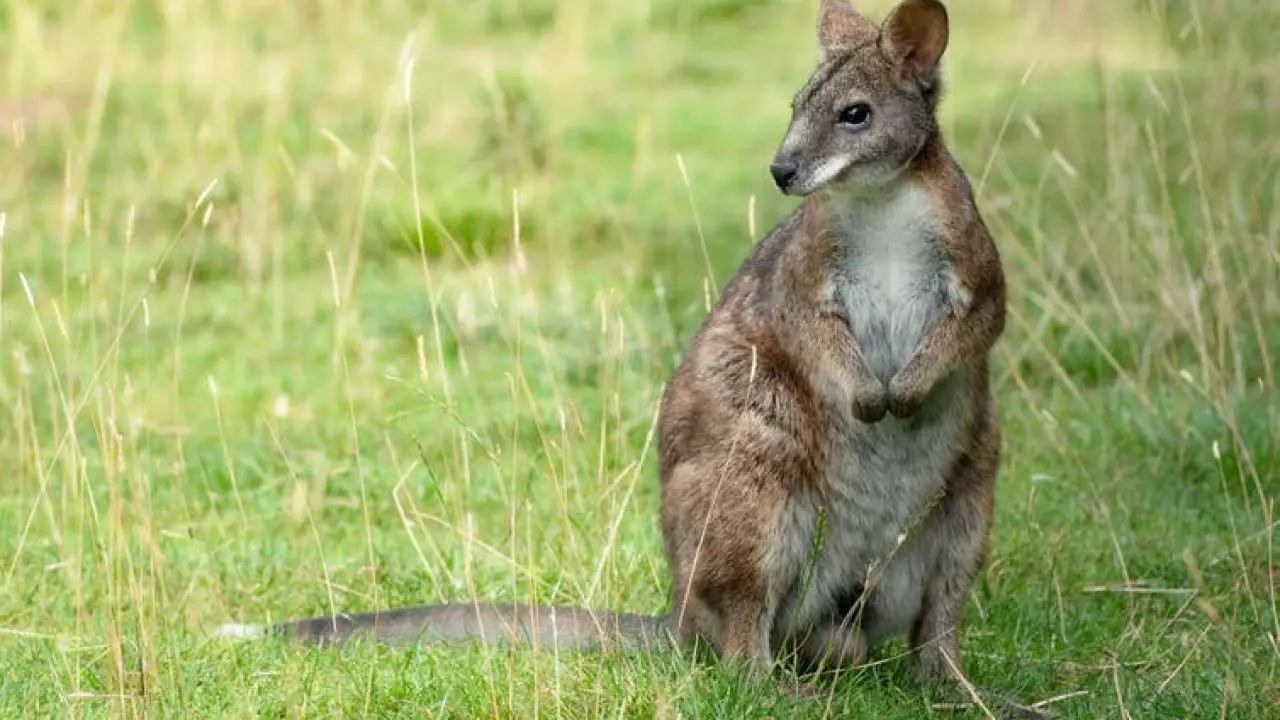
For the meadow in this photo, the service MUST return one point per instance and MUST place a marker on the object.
(323, 306)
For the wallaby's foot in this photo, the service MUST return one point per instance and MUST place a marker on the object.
(746, 643)
(937, 660)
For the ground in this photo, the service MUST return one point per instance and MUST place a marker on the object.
(319, 305)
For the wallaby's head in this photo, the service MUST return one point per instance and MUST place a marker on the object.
(870, 106)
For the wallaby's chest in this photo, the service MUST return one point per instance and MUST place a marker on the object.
(888, 278)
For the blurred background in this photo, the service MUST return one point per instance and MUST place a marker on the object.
(322, 306)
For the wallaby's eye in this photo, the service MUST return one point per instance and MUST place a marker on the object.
(856, 115)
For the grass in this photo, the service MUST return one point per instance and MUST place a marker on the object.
(309, 307)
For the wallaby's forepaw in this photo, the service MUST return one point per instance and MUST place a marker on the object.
(871, 406)
(905, 396)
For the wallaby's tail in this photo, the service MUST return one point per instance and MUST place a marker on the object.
(562, 627)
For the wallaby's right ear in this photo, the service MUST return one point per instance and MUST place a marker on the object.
(915, 36)
(839, 25)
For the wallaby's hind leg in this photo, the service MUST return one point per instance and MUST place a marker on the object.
(746, 635)
(961, 529)
(734, 622)
(731, 611)
(721, 519)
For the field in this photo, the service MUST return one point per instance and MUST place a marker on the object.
(326, 306)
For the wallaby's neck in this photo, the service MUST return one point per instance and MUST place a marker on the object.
(903, 197)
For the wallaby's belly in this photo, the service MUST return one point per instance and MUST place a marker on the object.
(881, 482)
(882, 477)
(890, 307)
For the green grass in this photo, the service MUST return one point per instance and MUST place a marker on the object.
(270, 343)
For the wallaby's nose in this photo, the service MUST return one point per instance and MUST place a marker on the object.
(783, 174)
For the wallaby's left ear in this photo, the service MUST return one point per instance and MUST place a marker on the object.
(915, 35)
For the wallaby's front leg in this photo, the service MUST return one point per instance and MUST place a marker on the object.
(833, 341)
(968, 330)
(746, 636)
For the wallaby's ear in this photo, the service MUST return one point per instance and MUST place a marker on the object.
(915, 35)
(839, 25)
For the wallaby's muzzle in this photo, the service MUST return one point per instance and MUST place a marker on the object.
(784, 174)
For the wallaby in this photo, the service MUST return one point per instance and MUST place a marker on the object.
(828, 444)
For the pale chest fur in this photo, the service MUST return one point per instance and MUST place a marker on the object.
(892, 285)
(888, 277)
